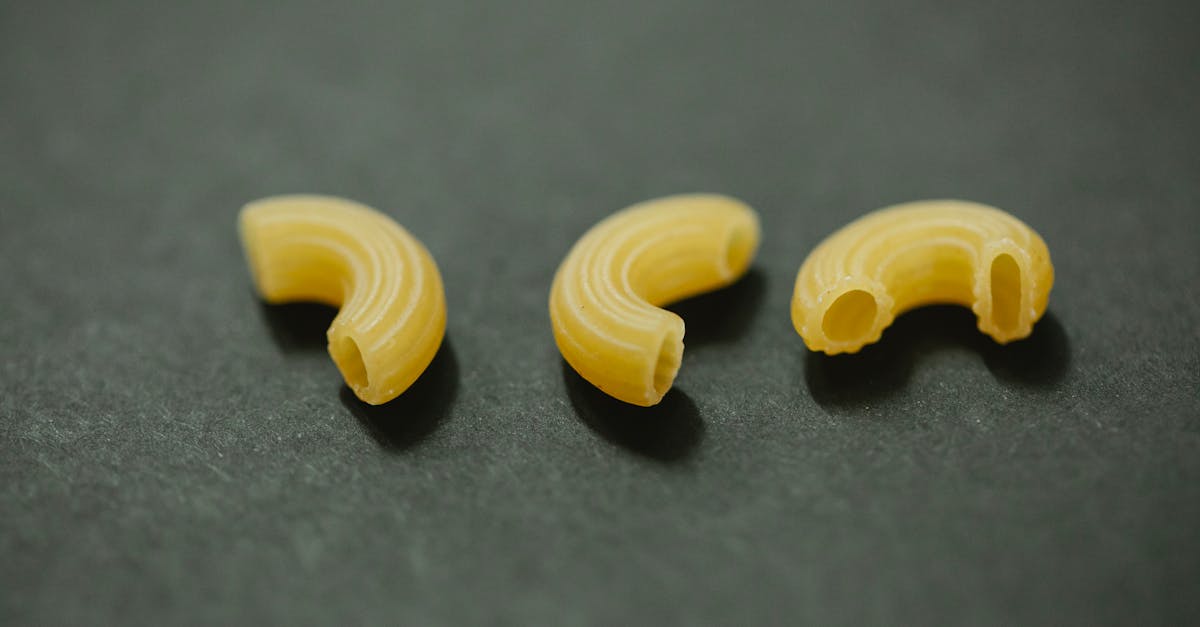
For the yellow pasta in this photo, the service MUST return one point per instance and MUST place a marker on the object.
(860, 278)
(342, 253)
(604, 303)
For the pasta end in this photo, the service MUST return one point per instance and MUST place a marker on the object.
(1006, 295)
(350, 362)
(666, 366)
(851, 319)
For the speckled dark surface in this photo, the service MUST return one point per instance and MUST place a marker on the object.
(171, 451)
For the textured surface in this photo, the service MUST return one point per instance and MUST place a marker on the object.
(896, 259)
(334, 251)
(171, 449)
(607, 295)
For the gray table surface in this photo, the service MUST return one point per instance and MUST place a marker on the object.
(174, 452)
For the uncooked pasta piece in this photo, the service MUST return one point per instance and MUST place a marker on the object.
(330, 250)
(860, 278)
(606, 297)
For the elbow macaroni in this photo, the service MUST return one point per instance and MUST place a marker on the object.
(604, 302)
(345, 254)
(859, 279)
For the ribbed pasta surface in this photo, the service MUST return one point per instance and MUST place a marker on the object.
(392, 314)
(605, 302)
(854, 284)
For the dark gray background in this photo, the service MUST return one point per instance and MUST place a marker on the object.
(171, 450)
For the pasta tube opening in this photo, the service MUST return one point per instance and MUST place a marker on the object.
(670, 356)
(851, 318)
(1006, 294)
(350, 363)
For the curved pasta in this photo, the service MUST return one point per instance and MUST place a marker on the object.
(342, 253)
(859, 279)
(604, 303)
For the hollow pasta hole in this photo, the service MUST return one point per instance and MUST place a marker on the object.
(350, 362)
(851, 317)
(669, 356)
(1006, 292)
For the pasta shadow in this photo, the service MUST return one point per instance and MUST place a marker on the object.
(723, 315)
(413, 416)
(880, 371)
(298, 326)
(668, 432)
